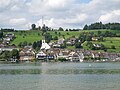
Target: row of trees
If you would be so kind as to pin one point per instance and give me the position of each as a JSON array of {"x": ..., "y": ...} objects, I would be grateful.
[
  {"x": 7, "y": 30},
  {"x": 100, "y": 25},
  {"x": 36, "y": 45},
  {"x": 87, "y": 36},
  {"x": 45, "y": 28},
  {"x": 23, "y": 44},
  {"x": 7, "y": 55},
  {"x": 1, "y": 34}
]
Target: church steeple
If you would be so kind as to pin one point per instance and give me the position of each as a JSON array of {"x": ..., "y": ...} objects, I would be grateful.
[{"x": 45, "y": 46}]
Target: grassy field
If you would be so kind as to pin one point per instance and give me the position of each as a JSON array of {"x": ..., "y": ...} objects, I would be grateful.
[
  {"x": 31, "y": 36},
  {"x": 109, "y": 42}
]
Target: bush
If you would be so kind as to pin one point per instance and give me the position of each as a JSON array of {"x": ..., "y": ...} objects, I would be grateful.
[
  {"x": 55, "y": 38},
  {"x": 62, "y": 59},
  {"x": 112, "y": 47}
]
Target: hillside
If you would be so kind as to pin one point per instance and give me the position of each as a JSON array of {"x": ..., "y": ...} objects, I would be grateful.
[{"x": 31, "y": 36}]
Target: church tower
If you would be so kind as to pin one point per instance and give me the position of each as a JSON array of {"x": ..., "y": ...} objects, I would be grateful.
[{"x": 44, "y": 46}]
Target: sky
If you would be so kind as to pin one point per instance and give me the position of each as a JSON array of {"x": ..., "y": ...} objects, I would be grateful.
[{"x": 20, "y": 14}]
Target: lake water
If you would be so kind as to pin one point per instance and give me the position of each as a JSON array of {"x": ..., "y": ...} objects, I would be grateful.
[{"x": 60, "y": 76}]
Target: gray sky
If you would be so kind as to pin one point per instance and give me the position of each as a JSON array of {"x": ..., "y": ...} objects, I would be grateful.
[{"x": 20, "y": 14}]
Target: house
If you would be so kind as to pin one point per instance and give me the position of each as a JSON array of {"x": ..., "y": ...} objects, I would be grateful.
[
  {"x": 81, "y": 56},
  {"x": 71, "y": 41},
  {"x": 27, "y": 53},
  {"x": 118, "y": 57},
  {"x": 7, "y": 48},
  {"x": 61, "y": 41},
  {"x": 13, "y": 60},
  {"x": 46, "y": 55},
  {"x": 95, "y": 55},
  {"x": 75, "y": 57},
  {"x": 51, "y": 55},
  {"x": 113, "y": 56},
  {"x": 87, "y": 53},
  {"x": 10, "y": 35},
  {"x": 95, "y": 38},
  {"x": 56, "y": 46},
  {"x": 62, "y": 53},
  {"x": 8, "y": 38},
  {"x": 51, "y": 44},
  {"x": 41, "y": 55},
  {"x": 97, "y": 45}
]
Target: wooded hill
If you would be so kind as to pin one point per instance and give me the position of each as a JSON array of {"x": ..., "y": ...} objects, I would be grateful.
[{"x": 99, "y": 25}]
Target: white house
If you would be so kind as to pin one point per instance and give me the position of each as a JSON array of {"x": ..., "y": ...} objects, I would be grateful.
[
  {"x": 73, "y": 56},
  {"x": 61, "y": 41},
  {"x": 41, "y": 55}
]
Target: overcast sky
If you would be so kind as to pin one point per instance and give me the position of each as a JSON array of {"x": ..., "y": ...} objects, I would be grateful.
[{"x": 20, "y": 14}]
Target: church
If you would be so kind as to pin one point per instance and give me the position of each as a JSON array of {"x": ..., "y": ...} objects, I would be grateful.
[{"x": 44, "y": 46}]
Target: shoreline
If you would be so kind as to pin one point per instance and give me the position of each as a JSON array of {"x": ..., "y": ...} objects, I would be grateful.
[{"x": 30, "y": 62}]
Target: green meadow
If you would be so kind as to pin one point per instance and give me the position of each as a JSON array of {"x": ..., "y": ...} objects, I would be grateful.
[
  {"x": 31, "y": 36},
  {"x": 109, "y": 42}
]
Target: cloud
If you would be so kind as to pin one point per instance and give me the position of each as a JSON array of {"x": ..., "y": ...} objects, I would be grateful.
[
  {"x": 45, "y": 7},
  {"x": 48, "y": 22},
  {"x": 4, "y": 3},
  {"x": 64, "y": 22},
  {"x": 15, "y": 8},
  {"x": 17, "y": 21},
  {"x": 58, "y": 13},
  {"x": 113, "y": 16}
]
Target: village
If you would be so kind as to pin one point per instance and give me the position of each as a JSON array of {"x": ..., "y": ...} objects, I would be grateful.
[{"x": 52, "y": 52}]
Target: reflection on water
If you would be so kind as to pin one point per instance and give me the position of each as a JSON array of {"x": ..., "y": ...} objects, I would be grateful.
[
  {"x": 60, "y": 76},
  {"x": 59, "y": 71},
  {"x": 61, "y": 68}
]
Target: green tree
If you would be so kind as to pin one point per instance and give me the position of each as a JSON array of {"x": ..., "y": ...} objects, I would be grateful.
[
  {"x": 38, "y": 34},
  {"x": 63, "y": 45},
  {"x": 1, "y": 34},
  {"x": 59, "y": 34},
  {"x": 113, "y": 47},
  {"x": 6, "y": 55},
  {"x": 34, "y": 45},
  {"x": 39, "y": 28},
  {"x": 62, "y": 59},
  {"x": 33, "y": 26},
  {"x": 60, "y": 29},
  {"x": 48, "y": 37},
  {"x": 85, "y": 27},
  {"x": 44, "y": 29},
  {"x": 29, "y": 44},
  {"x": 55, "y": 38},
  {"x": 66, "y": 30},
  {"x": 15, "y": 53},
  {"x": 55, "y": 33},
  {"x": 20, "y": 44},
  {"x": 39, "y": 43},
  {"x": 78, "y": 45},
  {"x": 25, "y": 43},
  {"x": 99, "y": 32}
]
